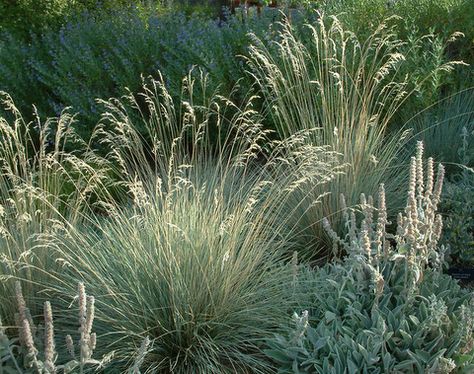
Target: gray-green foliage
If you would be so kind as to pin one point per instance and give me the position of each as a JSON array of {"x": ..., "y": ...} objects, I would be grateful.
[
  {"x": 385, "y": 307},
  {"x": 440, "y": 125},
  {"x": 34, "y": 351},
  {"x": 355, "y": 330},
  {"x": 42, "y": 188},
  {"x": 458, "y": 208},
  {"x": 196, "y": 260}
]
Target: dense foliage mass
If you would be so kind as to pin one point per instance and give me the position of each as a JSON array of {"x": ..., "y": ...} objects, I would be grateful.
[
  {"x": 458, "y": 208},
  {"x": 206, "y": 178},
  {"x": 386, "y": 307}
]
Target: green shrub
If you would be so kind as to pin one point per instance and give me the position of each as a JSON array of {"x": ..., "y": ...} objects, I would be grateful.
[
  {"x": 99, "y": 57},
  {"x": 354, "y": 331},
  {"x": 444, "y": 18},
  {"x": 459, "y": 221},
  {"x": 432, "y": 78},
  {"x": 28, "y": 17},
  {"x": 23, "y": 16},
  {"x": 386, "y": 307}
]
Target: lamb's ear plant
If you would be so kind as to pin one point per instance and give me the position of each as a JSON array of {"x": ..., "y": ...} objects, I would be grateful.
[
  {"x": 34, "y": 351},
  {"x": 324, "y": 77},
  {"x": 387, "y": 306}
]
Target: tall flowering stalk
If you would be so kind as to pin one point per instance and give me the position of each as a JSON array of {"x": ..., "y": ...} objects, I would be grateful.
[
  {"x": 419, "y": 227},
  {"x": 30, "y": 343}
]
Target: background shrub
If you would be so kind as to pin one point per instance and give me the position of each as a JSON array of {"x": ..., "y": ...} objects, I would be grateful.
[
  {"x": 459, "y": 225},
  {"x": 450, "y": 16},
  {"x": 25, "y": 18},
  {"x": 99, "y": 57}
]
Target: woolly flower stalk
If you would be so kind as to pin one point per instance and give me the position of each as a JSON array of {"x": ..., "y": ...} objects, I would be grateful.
[
  {"x": 438, "y": 186},
  {"x": 88, "y": 340},
  {"x": 142, "y": 351},
  {"x": 70, "y": 346},
  {"x": 419, "y": 169},
  {"x": 381, "y": 221},
  {"x": 82, "y": 306},
  {"x": 366, "y": 247},
  {"x": 23, "y": 315},
  {"x": 343, "y": 203},
  {"x": 400, "y": 226},
  {"x": 437, "y": 228},
  {"x": 410, "y": 232},
  {"x": 92, "y": 341},
  {"x": 332, "y": 235},
  {"x": 86, "y": 343},
  {"x": 429, "y": 178},
  {"x": 20, "y": 302},
  {"x": 90, "y": 315},
  {"x": 412, "y": 209},
  {"x": 352, "y": 228},
  {"x": 29, "y": 344},
  {"x": 367, "y": 210},
  {"x": 49, "y": 346},
  {"x": 294, "y": 266},
  {"x": 467, "y": 327}
]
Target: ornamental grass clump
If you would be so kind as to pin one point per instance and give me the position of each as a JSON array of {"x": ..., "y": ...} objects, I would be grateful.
[
  {"x": 196, "y": 261},
  {"x": 323, "y": 77},
  {"x": 386, "y": 307},
  {"x": 43, "y": 188}
]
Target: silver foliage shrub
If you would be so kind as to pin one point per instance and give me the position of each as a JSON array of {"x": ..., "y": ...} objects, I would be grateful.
[{"x": 386, "y": 307}]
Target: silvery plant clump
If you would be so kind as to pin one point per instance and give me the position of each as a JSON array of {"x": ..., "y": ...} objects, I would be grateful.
[
  {"x": 386, "y": 307},
  {"x": 34, "y": 351}
]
